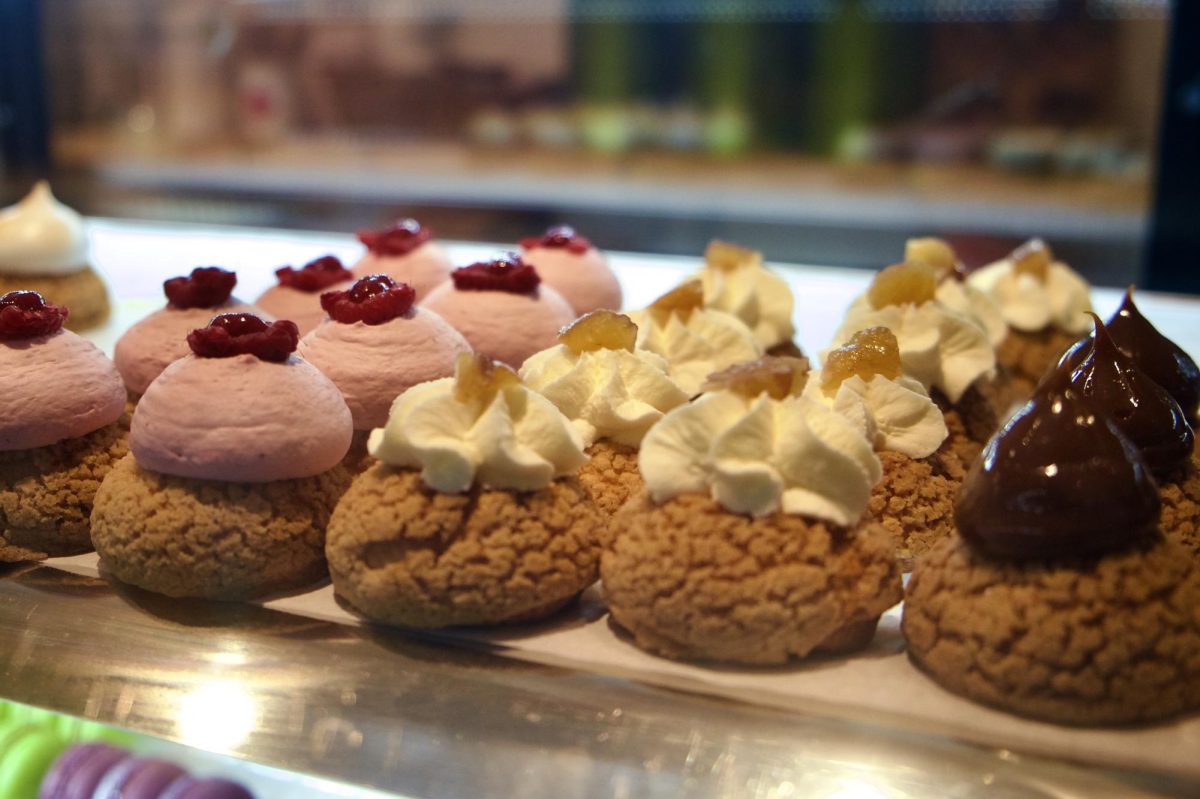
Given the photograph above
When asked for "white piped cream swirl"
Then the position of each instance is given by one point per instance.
(707, 342)
(939, 347)
(895, 415)
(607, 393)
(1029, 305)
(754, 294)
(519, 441)
(758, 456)
(970, 301)
(41, 236)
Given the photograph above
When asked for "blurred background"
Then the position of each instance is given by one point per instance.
(821, 131)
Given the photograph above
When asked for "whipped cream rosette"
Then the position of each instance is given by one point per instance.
(953, 290)
(736, 281)
(44, 248)
(611, 392)
(695, 341)
(747, 545)
(473, 514)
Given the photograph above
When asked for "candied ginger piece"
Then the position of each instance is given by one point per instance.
(477, 378)
(933, 251)
(1032, 258)
(599, 330)
(681, 300)
(778, 377)
(729, 257)
(869, 352)
(899, 284)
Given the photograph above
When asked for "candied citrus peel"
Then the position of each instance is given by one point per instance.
(681, 300)
(777, 377)
(1032, 258)
(729, 257)
(900, 284)
(478, 378)
(933, 251)
(869, 352)
(599, 330)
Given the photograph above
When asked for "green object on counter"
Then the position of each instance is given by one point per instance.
(606, 67)
(725, 66)
(25, 757)
(844, 63)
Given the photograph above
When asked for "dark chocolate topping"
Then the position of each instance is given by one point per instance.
(1059, 480)
(1160, 358)
(1140, 408)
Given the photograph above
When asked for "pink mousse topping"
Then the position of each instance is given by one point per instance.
(24, 314)
(56, 386)
(374, 364)
(205, 287)
(233, 334)
(315, 276)
(562, 237)
(505, 273)
(505, 326)
(582, 275)
(240, 419)
(160, 339)
(399, 239)
(373, 300)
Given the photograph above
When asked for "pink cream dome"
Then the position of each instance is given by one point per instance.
(240, 419)
(55, 387)
(302, 307)
(584, 280)
(374, 364)
(160, 339)
(502, 325)
(425, 268)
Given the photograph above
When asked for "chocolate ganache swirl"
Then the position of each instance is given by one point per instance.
(1160, 358)
(1059, 480)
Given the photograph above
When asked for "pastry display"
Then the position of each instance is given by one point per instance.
(234, 467)
(747, 545)
(574, 268)
(946, 351)
(694, 340)
(160, 339)
(502, 308)
(736, 281)
(914, 499)
(104, 771)
(375, 345)
(1045, 304)
(1060, 599)
(44, 248)
(60, 430)
(611, 393)
(407, 253)
(473, 514)
(297, 294)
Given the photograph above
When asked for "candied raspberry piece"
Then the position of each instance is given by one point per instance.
(778, 377)
(506, 273)
(599, 330)
(24, 314)
(399, 239)
(374, 299)
(562, 237)
(478, 378)
(315, 276)
(245, 334)
(205, 287)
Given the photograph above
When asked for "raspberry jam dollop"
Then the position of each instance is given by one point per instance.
(506, 273)
(399, 239)
(316, 275)
(24, 314)
(205, 287)
(374, 299)
(245, 334)
(562, 237)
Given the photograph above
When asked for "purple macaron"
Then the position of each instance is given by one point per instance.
(79, 770)
(138, 778)
(193, 788)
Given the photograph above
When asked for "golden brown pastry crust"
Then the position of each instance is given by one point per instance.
(46, 493)
(691, 581)
(914, 504)
(404, 554)
(1108, 641)
(214, 540)
(1181, 506)
(84, 293)
(1028, 356)
(610, 478)
(970, 422)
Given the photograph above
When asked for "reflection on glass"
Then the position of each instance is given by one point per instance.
(216, 717)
